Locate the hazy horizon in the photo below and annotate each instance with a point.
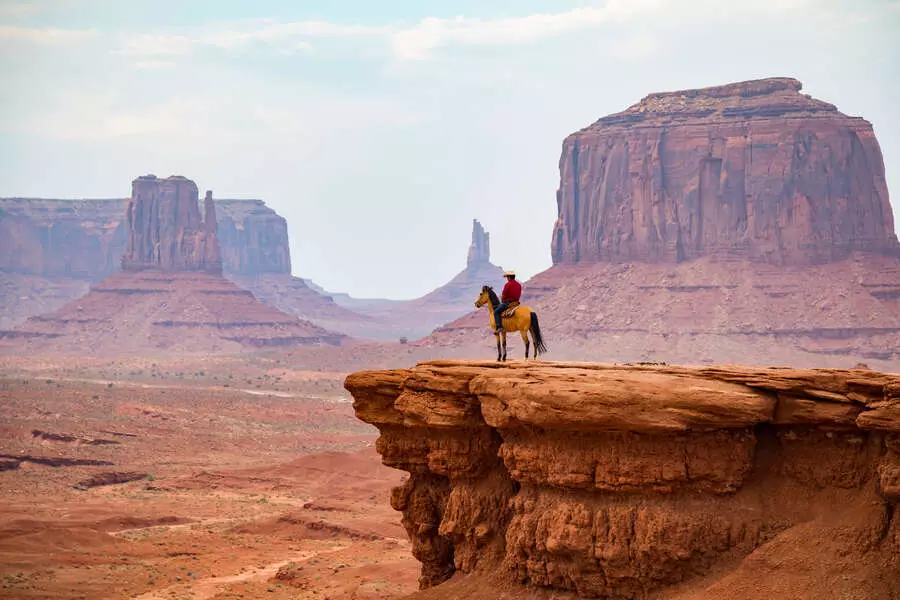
(380, 132)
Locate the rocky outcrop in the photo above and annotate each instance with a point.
(755, 169)
(632, 482)
(480, 249)
(165, 229)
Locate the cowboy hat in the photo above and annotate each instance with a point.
(509, 274)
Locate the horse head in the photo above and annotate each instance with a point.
(484, 297)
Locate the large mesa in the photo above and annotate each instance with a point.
(755, 169)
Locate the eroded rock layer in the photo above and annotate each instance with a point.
(86, 239)
(755, 169)
(642, 481)
(150, 311)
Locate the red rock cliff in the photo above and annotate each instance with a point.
(632, 482)
(87, 238)
(165, 229)
(254, 238)
(82, 239)
(753, 168)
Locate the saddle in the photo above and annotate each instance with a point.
(508, 313)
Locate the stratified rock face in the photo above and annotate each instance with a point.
(624, 482)
(254, 238)
(82, 239)
(86, 239)
(480, 250)
(165, 229)
(755, 169)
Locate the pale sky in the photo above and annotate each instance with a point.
(381, 129)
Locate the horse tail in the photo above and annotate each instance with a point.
(539, 346)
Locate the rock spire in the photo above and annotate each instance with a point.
(480, 249)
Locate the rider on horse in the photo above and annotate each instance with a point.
(512, 291)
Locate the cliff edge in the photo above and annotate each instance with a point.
(567, 480)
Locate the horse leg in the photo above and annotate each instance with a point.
(524, 333)
(497, 335)
(504, 346)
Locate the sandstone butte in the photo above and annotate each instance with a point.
(753, 168)
(741, 223)
(570, 480)
(170, 295)
(51, 251)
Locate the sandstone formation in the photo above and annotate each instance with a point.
(171, 294)
(52, 250)
(529, 480)
(480, 249)
(86, 239)
(82, 239)
(755, 169)
(165, 229)
(254, 238)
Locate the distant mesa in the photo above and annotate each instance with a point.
(753, 169)
(51, 251)
(171, 294)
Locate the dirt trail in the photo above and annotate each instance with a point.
(203, 589)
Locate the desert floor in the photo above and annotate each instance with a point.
(249, 478)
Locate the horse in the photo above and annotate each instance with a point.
(523, 321)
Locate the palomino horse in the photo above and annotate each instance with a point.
(523, 321)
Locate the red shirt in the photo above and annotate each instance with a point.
(512, 291)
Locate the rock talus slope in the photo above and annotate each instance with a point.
(573, 480)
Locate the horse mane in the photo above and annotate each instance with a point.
(493, 297)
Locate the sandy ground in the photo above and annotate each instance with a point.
(249, 480)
